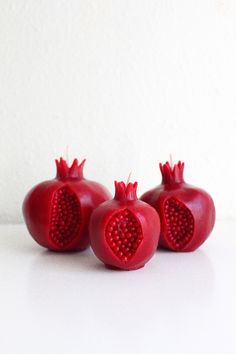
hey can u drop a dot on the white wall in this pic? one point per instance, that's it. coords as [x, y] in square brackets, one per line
[124, 83]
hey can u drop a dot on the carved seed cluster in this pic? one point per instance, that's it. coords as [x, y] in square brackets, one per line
[124, 234]
[180, 223]
[65, 217]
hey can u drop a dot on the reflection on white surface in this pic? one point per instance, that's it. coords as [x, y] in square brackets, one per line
[78, 290]
[170, 282]
[52, 302]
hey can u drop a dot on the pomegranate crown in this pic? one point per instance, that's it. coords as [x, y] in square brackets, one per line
[171, 175]
[125, 191]
[66, 172]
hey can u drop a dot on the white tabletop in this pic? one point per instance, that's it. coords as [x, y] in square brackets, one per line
[69, 303]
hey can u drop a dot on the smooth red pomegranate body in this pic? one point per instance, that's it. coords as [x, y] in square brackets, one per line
[187, 213]
[57, 212]
[124, 231]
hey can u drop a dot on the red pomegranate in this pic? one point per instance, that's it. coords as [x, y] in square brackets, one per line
[187, 213]
[124, 231]
[57, 212]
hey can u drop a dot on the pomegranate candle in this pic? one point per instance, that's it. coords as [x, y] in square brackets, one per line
[187, 213]
[124, 231]
[57, 211]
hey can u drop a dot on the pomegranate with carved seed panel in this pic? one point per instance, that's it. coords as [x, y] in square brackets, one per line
[124, 231]
[57, 211]
[187, 213]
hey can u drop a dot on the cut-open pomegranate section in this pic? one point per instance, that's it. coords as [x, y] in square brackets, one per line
[124, 231]
[180, 223]
[57, 211]
[65, 216]
[124, 234]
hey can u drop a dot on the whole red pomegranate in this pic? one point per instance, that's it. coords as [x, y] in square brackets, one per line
[57, 212]
[124, 231]
[187, 213]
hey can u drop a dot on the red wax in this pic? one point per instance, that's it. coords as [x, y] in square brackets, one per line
[57, 211]
[124, 232]
[187, 213]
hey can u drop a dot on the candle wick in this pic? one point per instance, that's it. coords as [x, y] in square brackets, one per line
[128, 179]
[171, 161]
[67, 154]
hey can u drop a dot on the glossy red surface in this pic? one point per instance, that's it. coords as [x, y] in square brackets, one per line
[124, 231]
[187, 213]
[57, 212]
